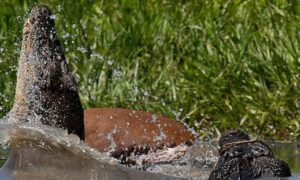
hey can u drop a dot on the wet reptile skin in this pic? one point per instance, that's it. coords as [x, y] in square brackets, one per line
[46, 90]
[248, 160]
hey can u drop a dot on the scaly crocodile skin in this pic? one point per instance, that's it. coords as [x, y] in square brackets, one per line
[46, 90]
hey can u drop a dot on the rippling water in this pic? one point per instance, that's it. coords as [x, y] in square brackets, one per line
[44, 152]
[289, 152]
[37, 142]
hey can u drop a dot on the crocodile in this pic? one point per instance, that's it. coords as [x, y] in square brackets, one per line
[46, 90]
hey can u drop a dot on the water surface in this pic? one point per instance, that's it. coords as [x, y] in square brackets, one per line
[287, 151]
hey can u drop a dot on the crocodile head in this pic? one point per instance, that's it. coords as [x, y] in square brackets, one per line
[46, 90]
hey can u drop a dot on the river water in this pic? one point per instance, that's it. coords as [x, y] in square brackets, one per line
[44, 152]
[289, 152]
[34, 146]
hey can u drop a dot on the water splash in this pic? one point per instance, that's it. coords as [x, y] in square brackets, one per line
[33, 146]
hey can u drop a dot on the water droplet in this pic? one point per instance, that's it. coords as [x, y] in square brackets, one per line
[110, 62]
[66, 35]
[97, 28]
[117, 73]
[154, 118]
[146, 93]
[54, 17]
[177, 114]
[97, 55]
[51, 36]
[136, 91]
[83, 50]
[114, 131]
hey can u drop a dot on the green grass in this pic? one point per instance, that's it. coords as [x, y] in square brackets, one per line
[3, 156]
[226, 63]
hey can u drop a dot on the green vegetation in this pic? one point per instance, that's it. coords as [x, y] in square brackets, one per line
[3, 155]
[2, 162]
[226, 64]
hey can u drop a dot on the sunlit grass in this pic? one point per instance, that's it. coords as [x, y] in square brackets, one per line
[226, 64]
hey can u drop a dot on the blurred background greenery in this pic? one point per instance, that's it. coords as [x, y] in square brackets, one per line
[213, 64]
